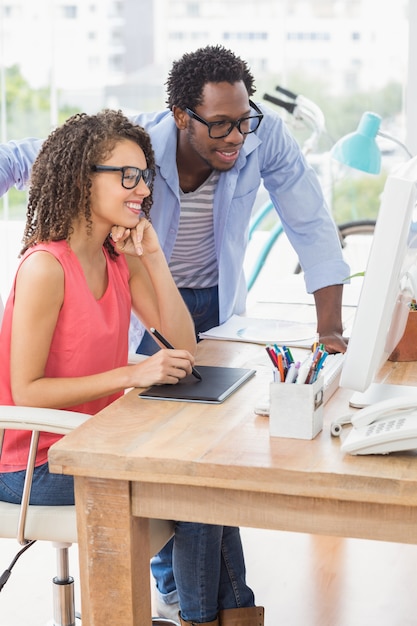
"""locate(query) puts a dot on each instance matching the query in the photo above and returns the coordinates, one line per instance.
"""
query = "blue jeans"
(208, 560)
(209, 570)
(47, 489)
(203, 305)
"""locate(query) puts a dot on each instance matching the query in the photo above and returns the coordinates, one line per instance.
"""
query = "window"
(116, 63)
(193, 9)
(69, 11)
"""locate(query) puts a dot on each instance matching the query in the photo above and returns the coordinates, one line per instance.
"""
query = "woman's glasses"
(130, 175)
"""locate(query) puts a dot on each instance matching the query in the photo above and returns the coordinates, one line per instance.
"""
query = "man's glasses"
(130, 175)
(245, 125)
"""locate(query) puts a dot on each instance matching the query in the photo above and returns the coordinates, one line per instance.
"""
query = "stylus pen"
(166, 343)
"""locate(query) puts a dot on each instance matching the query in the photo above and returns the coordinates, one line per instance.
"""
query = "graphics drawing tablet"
(217, 384)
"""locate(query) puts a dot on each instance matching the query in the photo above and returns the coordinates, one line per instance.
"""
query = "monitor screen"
(389, 285)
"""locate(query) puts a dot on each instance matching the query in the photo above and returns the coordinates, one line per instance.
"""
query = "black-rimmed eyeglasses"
(245, 125)
(130, 175)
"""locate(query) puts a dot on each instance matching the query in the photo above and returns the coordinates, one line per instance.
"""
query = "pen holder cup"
(296, 411)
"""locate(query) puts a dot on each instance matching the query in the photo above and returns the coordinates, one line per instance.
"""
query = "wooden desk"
(196, 462)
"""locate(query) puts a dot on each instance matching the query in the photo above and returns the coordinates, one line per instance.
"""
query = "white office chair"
(56, 524)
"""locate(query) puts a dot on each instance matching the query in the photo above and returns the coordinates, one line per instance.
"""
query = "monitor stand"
(377, 392)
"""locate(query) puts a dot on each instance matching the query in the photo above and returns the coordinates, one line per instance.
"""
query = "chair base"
(63, 593)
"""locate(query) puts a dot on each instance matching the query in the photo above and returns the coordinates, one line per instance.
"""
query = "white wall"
(411, 89)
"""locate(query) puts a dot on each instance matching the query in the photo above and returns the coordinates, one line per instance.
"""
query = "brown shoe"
(247, 616)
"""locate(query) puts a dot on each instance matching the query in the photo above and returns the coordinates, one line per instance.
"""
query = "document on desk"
(256, 330)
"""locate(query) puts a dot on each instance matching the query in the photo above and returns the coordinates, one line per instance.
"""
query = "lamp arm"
(397, 141)
(312, 111)
(310, 120)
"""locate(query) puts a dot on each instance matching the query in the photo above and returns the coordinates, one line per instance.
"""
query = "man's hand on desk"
(333, 342)
(329, 318)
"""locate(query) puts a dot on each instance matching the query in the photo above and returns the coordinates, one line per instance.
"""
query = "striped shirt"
(193, 262)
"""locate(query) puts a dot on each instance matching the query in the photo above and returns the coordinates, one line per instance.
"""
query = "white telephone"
(387, 426)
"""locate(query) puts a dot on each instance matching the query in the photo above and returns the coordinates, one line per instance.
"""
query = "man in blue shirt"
(213, 148)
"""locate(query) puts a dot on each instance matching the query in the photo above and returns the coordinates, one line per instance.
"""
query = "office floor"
(302, 580)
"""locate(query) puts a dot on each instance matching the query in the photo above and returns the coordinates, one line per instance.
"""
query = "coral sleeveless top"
(91, 336)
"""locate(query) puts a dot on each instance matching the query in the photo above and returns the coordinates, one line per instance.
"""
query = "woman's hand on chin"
(135, 241)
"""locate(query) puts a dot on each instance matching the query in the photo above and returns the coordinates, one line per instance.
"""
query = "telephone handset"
(381, 410)
(387, 426)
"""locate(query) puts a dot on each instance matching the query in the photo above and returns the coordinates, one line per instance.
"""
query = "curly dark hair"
(212, 64)
(60, 187)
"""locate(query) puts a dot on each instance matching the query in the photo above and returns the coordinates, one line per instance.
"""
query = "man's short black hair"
(212, 64)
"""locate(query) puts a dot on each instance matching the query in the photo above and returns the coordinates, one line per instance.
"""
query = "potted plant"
(406, 349)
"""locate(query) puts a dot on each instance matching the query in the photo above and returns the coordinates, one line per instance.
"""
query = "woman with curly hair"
(64, 337)
(68, 314)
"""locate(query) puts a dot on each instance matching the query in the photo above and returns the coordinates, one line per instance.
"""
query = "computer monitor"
(389, 285)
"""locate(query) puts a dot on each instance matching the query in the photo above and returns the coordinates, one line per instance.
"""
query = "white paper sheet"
(256, 330)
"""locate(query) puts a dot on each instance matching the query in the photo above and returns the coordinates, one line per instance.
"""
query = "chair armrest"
(35, 418)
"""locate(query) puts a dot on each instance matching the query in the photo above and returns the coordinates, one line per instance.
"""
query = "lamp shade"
(360, 149)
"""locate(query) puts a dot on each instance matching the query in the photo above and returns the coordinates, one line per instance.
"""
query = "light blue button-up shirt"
(270, 155)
